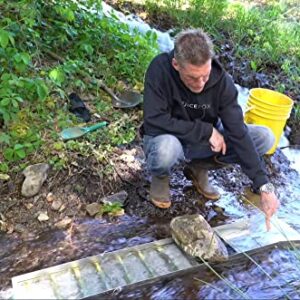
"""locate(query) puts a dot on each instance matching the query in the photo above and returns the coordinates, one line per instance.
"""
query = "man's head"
(192, 58)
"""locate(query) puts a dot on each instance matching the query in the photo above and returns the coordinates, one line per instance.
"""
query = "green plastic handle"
(96, 126)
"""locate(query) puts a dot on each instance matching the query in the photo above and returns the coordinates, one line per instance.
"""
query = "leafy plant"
(48, 48)
(112, 209)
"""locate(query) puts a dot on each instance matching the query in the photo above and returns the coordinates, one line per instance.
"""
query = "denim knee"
(263, 138)
(162, 153)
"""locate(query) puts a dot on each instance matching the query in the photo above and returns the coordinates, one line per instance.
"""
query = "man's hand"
(269, 205)
(217, 142)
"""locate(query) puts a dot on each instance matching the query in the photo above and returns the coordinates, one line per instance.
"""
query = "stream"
(87, 237)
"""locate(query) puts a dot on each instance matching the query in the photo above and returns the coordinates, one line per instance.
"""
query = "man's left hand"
(269, 205)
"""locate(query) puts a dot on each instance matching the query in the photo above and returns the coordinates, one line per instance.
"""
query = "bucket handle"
(249, 108)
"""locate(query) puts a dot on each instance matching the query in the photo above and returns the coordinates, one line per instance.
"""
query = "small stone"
(93, 208)
(10, 228)
(50, 197)
(119, 197)
(35, 177)
(62, 208)
(74, 163)
(4, 177)
(43, 217)
(28, 205)
(56, 205)
(64, 223)
(3, 226)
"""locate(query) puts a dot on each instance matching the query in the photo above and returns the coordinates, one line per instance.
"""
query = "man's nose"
(201, 81)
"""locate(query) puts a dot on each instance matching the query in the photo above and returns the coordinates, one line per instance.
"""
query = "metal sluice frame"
(233, 260)
(191, 266)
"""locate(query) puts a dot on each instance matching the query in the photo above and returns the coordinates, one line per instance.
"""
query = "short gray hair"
(193, 46)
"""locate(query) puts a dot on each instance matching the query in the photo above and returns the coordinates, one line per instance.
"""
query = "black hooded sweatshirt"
(170, 107)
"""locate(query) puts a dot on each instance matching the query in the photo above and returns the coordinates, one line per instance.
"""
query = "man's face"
(194, 77)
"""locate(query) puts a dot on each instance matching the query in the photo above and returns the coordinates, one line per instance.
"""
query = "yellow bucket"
(268, 108)
(271, 109)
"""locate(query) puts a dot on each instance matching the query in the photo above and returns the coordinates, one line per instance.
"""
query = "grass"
(266, 36)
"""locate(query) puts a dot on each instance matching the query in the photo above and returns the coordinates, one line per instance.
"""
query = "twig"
(54, 55)
(209, 284)
(227, 282)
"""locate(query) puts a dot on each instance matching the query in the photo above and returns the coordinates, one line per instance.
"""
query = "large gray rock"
(195, 236)
(35, 177)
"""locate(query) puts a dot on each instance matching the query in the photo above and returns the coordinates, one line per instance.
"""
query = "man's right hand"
(217, 142)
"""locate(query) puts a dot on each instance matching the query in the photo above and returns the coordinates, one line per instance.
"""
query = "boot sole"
(161, 204)
(188, 174)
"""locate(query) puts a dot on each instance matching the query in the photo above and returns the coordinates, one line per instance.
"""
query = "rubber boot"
(160, 191)
(199, 177)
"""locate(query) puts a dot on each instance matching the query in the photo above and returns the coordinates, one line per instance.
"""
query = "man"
(191, 112)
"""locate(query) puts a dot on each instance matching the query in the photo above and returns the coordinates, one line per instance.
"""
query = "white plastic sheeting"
(165, 42)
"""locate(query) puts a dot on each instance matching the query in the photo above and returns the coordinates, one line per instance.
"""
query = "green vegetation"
(51, 48)
(265, 34)
(112, 209)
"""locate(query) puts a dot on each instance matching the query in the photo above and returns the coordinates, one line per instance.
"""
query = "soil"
(81, 184)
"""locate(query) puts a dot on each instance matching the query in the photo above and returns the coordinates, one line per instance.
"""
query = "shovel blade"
(72, 133)
(128, 99)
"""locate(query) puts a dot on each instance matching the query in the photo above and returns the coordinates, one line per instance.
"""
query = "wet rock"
(93, 208)
(119, 197)
(64, 223)
(56, 205)
(194, 235)
(35, 177)
(42, 217)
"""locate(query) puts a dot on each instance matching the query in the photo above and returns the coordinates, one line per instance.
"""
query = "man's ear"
(175, 64)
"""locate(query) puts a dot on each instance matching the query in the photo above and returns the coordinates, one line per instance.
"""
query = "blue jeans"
(164, 151)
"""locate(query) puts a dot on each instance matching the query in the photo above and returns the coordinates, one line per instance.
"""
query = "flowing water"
(242, 279)
(275, 275)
